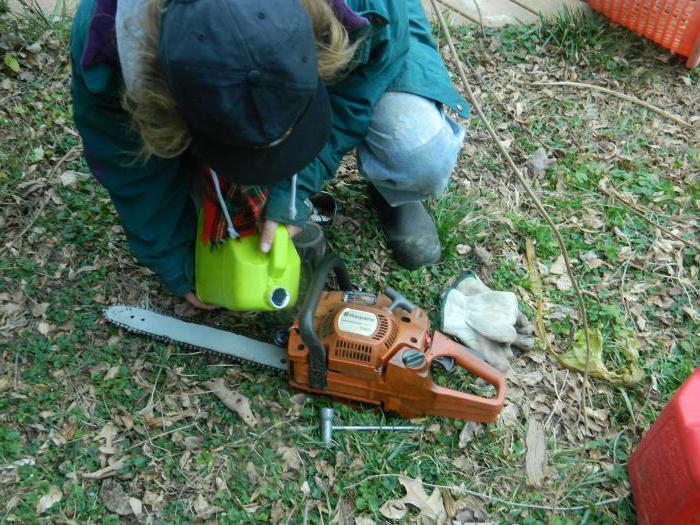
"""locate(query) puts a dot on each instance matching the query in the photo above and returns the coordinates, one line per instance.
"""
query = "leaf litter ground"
(99, 425)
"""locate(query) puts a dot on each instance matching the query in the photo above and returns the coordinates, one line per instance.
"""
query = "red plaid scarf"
(245, 204)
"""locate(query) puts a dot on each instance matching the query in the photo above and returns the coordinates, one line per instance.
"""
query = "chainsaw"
(349, 345)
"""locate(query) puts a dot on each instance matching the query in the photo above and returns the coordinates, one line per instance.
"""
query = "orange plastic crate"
(674, 24)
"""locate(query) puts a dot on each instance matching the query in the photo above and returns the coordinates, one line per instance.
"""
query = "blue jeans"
(410, 149)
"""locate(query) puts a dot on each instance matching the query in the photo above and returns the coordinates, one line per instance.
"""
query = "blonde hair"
(154, 113)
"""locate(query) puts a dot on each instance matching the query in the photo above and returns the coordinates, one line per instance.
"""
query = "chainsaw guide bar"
(197, 336)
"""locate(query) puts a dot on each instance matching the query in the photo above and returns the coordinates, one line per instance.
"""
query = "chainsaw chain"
(180, 344)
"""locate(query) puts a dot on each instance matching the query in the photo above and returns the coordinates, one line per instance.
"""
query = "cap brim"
(253, 166)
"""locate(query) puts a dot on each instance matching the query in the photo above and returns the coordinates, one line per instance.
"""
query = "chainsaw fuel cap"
(413, 358)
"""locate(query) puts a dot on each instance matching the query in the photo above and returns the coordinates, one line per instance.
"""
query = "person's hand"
(268, 232)
(192, 299)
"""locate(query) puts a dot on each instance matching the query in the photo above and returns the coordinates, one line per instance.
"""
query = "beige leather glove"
(485, 320)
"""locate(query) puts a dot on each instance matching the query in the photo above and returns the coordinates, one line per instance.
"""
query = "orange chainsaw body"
(383, 357)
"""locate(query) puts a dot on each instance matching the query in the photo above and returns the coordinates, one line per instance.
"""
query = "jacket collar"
(348, 17)
(101, 42)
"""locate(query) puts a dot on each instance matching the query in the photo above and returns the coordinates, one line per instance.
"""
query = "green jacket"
(153, 198)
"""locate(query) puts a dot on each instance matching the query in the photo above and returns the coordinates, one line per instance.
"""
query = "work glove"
(486, 321)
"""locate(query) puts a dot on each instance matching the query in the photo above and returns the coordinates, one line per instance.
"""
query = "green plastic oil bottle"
(238, 276)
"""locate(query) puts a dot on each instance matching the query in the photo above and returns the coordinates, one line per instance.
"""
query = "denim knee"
(411, 148)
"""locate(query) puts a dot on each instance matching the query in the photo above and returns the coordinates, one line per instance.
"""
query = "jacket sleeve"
(379, 61)
(152, 198)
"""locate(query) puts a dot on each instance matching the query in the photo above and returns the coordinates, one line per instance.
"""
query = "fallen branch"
(635, 209)
(629, 98)
(523, 181)
(234, 401)
(460, 12)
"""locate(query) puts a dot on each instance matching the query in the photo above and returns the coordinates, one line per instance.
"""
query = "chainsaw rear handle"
(455, 404)
(318, 362)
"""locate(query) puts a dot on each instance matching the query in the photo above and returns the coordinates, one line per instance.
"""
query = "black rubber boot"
(410, 230)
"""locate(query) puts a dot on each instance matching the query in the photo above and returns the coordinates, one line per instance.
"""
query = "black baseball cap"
(244, 75)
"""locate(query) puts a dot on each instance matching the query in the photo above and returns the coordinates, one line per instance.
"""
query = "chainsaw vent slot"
(355, 351)
(383, 328)
(392, 336)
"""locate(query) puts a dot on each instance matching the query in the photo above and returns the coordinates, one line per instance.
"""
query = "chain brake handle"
(318, 360)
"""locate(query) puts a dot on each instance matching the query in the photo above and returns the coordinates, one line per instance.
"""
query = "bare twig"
(523, 181)
(151, 438)
(481, 18)
(629, 98)
(527, 8)
(455, 488)
(16, 377)
(459, 11)
(636, 210)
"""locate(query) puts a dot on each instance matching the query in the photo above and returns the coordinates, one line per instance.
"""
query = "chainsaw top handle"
(318, 363)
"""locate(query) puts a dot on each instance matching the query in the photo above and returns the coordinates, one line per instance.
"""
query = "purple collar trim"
(348, 17)
(101, 44)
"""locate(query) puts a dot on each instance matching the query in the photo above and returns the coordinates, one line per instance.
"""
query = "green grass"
(59, 391)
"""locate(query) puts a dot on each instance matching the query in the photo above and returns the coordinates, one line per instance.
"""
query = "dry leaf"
(49, 499)
(463, 249)
(108, 433)
(68, 178)
(152, 499)
(558, 266)
(470, 429)
(538, 162)
(111, 373)
(291, 458)
(450, 505)
(394, 509)
(576, 358)
(591, 260)
(432, 509)
(136, 506)
(200, 504)
(39, 309)
(509, 415)
(251, 472)
(166, 421)
(108, 471)
(234, 401)
(536, 453)
(530, 378)
(298, 399)
(114, 498)
(44, 328)
(202, 508)
(364, 521)
(345, 514)
(484, 255)
(564, 283)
